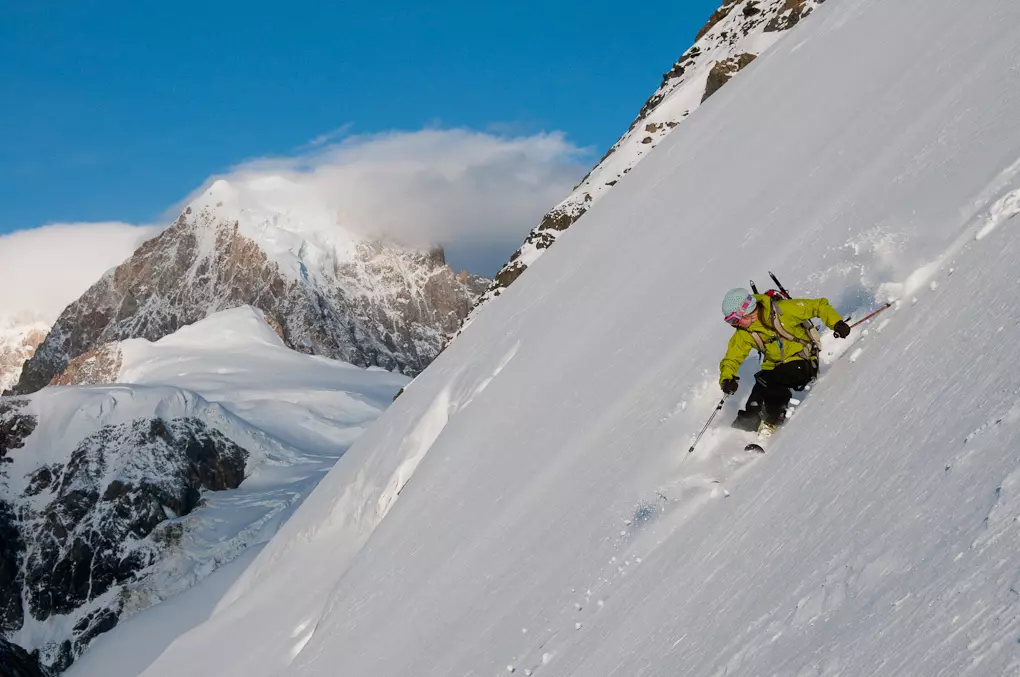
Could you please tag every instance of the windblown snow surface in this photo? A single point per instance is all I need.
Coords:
(550, 521)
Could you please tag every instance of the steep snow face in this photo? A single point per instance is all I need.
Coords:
(549, 520)
(19, 338)
(734, 36)
(330, 293)
(115, 497)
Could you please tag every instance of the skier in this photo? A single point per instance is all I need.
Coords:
(779, 329)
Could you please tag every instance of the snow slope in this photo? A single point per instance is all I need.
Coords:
(292, 414)
(551, 524)
(734, 36)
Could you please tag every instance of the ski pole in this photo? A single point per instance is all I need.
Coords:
(710, 419)
(864, 319)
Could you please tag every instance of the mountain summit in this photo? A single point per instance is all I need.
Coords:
(328, 290)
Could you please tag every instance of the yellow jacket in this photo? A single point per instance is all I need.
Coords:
(791, 313)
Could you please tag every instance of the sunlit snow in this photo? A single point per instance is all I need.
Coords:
(536, 476)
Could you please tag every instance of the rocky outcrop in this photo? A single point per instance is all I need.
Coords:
(722, 71)
(19, 338)
(16, 662)
(11, 547)
(374, 303)
(15, 426)
(99, 365)
(717, 16)
(735, 33)
(99, 521)
(790, 14)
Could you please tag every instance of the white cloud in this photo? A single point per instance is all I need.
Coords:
(331, 135)
(477, 194)
(44, 269)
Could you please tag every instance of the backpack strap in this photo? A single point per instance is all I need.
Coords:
(808, 348)
(758, 343)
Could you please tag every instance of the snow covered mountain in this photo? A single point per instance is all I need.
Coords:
(734, 36)
(528, 505)
(19, 338)
(328, 291)
(115, 497)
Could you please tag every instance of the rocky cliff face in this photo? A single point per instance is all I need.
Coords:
(365, 302)
(80, 535)
(16, 662)
(99, 365)
(19, 338)
(735, 34)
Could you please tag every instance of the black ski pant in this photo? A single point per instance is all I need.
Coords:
(771, 393)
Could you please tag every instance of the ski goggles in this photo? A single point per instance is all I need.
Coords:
(737, 315)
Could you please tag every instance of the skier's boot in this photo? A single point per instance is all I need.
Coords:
(766, 429)
(770, 422)
(748, 420)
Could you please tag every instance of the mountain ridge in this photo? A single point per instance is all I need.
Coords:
(332, 293)
(733, 37)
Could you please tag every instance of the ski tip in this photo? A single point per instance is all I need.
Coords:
(757, 448)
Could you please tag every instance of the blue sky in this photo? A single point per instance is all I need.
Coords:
(115, 111)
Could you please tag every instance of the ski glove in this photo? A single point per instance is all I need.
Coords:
(841, 330)
(729, 386)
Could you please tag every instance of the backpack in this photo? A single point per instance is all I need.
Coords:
(809, 349)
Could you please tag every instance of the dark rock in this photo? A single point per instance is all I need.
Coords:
(91, 626)
(508, 273)
(789, 16)
(653, 101)
(676, 71)
(16, 662)
(15, 426)
(716, 17)
(559, 220)
(11, 549)
(42, 479)
(724, 70)
(118, 485)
